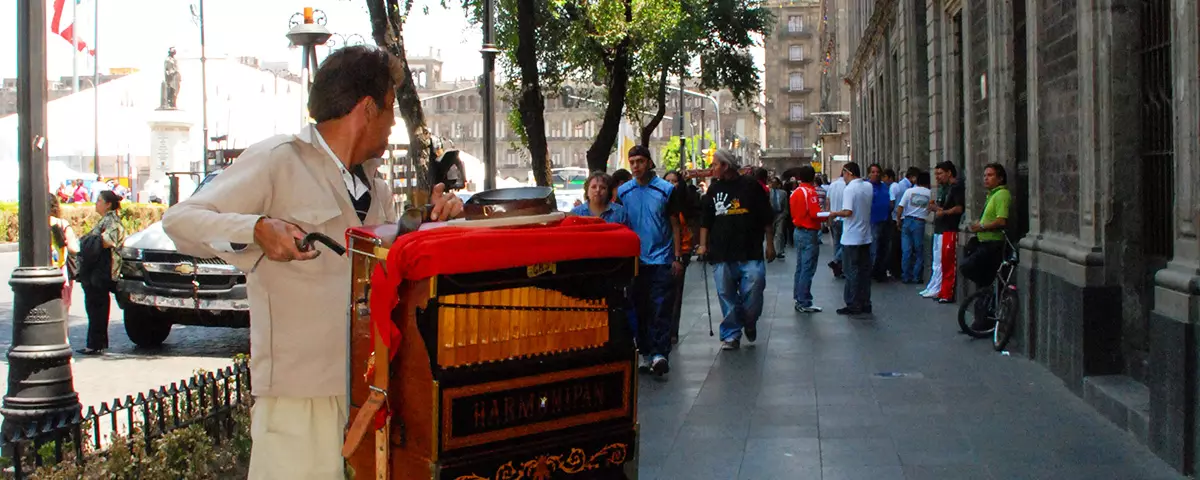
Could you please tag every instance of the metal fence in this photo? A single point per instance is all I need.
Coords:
(208, 399)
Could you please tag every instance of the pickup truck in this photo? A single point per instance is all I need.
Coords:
(158, 287)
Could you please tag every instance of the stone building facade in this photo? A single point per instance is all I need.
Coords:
(571, 126)
(792, 83)
(1094, 109)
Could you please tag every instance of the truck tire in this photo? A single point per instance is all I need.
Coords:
(146, 327)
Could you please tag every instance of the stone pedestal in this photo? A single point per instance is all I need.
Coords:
(170, 151)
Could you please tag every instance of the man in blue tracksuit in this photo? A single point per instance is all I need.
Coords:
(652, 206)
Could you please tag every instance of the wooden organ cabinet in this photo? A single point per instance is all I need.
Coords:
(514, 358)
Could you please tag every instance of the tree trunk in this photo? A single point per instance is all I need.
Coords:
(648, 129)
(387, 30)
(532, 104)
(597, 155)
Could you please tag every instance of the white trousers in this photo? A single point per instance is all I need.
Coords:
(935, 270)
(297, 438)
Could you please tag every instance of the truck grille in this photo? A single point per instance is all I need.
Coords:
(207, 282)
(184, 282)
(171, 257)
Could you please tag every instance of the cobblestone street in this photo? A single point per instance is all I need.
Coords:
(127, 369)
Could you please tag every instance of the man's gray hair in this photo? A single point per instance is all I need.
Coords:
(726, 157)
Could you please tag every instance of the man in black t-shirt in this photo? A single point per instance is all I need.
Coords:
(737, 217)
(947, 213)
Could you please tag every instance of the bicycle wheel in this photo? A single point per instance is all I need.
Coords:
(1006, 318)
(977, 306)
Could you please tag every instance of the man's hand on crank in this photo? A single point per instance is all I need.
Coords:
(446, 205)
(280, 240)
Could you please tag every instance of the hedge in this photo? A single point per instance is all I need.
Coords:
(135, 217)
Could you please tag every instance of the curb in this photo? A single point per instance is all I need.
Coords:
(8, 247)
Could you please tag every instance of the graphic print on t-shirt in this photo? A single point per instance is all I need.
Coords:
(919, 200)
(723, 206)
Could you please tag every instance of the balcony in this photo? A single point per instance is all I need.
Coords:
(796, 91)
(798, 61)
(798, 121)
(797, 33)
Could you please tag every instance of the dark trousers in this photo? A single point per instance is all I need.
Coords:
(652, 300)
(856, 262)
(881, 248)
(96, 301)
(895, 267)
(981, 262)
(677, 299)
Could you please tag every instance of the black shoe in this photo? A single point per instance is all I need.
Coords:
(866, 309)
(91, 351)
(751, 333)
(849, 311)
(945, 300)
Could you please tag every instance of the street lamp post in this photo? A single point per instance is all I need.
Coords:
(307, 32)
(198, 16)
(40, 383)
(489, 52)
(716, 107)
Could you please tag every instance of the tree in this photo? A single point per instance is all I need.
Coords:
(532, 104)
(721, 34)
(387, 29)
(669, 157)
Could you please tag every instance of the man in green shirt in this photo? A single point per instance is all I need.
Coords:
(981, 264)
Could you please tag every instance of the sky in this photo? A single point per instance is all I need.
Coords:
(137, 33)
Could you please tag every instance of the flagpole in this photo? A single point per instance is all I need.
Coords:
(95, 85)
(74, 47)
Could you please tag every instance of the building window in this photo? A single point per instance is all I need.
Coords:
(796, 52)
(796, 111)
(796, 81)
(797, 141)
(795, 23)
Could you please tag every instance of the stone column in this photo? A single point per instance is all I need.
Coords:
(1026, 277)
(1177, 287)
(1002, 144)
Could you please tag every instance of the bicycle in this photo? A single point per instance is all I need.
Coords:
(998, 303)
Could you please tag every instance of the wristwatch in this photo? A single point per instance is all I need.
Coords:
(679, 259)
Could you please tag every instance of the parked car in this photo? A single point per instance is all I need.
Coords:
(568, 186)
(159, 287)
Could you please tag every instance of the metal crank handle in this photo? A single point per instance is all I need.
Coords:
(307, 243)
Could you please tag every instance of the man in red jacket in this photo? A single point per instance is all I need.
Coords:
(805, 206)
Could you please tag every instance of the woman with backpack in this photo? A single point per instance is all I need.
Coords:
(98, 267)
(64, 248)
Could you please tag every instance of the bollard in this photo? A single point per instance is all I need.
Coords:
(41, 387)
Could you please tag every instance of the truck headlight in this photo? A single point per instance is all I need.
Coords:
(130, 253)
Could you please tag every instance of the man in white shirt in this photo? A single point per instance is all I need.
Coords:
(833, 192)
(913, 209)
(279, 190)
(856, 240)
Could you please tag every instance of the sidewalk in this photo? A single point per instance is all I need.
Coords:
(805, 401)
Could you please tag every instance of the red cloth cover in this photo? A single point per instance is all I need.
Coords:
(449, 250)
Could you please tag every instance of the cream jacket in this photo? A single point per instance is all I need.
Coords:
(298, 310)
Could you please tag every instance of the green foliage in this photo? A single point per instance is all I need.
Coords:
(82, 216)
(669, 157)
(190, 452)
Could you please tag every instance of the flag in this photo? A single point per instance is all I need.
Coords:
(71, 30)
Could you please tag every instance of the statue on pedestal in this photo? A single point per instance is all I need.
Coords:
(170, 85)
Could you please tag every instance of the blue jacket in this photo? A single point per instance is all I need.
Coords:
(649, 209)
